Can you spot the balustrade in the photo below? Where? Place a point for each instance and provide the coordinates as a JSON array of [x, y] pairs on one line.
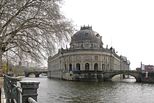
[[27, 93]]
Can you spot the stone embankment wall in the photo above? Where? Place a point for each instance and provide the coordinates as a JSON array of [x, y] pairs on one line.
[[147, 77]]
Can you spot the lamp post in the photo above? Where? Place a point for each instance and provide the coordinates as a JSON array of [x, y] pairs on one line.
[[110, 58]]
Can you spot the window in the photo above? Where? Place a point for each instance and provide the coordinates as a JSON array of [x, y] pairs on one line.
[[96, 57], [77, 66], [95, 67], [70, 67], [108, 66], [65, 67], [103, 66], [81, 45], [86, 34], [87, 66], [92, 45]]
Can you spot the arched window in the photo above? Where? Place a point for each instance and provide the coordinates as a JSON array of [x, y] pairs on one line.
[[103, 67], [95, 67], [92, 45], [81, 45], [87, 66], [77, 66], [108, 66], [65, 67], [70, 67]]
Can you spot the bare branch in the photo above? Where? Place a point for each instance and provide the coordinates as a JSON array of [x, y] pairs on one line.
[[33, 27]]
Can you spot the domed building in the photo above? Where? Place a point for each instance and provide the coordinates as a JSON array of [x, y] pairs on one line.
[[86, 59]]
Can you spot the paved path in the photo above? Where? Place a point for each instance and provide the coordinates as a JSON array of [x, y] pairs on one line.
[[3, 99]]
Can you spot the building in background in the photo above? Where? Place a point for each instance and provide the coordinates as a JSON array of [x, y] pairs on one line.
[[146, 68], [86, 54]]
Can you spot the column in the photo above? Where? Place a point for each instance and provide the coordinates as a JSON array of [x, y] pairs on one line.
[[29, 89]]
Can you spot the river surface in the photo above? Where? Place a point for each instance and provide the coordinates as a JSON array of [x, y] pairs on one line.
[[58, 91]]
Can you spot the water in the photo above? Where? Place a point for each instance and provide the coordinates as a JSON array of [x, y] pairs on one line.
[[58, 91]]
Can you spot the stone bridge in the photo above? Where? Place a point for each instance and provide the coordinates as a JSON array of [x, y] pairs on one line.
[[36, 72], [137, 75], [105, 75]]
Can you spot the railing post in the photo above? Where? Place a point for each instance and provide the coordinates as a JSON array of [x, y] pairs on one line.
[[10, 84], [13, 93], [29, 89]]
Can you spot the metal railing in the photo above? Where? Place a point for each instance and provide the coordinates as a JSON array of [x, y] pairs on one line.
[[27, 93]]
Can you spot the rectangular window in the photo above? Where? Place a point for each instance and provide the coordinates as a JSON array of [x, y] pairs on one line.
[[103, 66]]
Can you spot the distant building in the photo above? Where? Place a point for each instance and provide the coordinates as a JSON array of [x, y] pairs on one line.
[[149, 68], [146, 68], [86, 53]]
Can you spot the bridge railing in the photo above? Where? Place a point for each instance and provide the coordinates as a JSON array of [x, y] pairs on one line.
[[102, 71], [26, 93]]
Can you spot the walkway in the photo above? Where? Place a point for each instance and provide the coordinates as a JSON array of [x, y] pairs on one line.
[[3, 99]]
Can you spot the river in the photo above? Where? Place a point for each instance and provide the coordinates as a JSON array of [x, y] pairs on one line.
[[58, 91]]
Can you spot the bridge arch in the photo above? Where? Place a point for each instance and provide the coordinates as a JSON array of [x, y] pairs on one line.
[[27, 74], [36, 73], [122, 76], [110, 75]]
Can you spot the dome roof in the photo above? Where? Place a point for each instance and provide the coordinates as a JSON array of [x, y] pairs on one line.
[[86, 34], [86, 38]]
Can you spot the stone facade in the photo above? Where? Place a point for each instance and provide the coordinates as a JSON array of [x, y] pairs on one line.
[[86, 53]]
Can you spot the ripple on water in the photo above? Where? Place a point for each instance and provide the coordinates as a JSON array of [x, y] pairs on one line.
[[57, 91]]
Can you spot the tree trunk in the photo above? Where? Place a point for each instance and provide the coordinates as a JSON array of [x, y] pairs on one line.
[[1, 64], [1, 73]]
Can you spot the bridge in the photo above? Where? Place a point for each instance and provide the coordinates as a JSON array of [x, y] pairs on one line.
[[92, 75], [136, 74], [106, 75], [36, 72]]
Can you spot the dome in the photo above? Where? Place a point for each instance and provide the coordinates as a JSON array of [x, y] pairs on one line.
[[86, 36]]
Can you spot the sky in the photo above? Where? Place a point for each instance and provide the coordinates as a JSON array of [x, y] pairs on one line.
[[126, 25]]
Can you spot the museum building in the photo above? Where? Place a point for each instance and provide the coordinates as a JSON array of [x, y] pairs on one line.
[[86, 59]]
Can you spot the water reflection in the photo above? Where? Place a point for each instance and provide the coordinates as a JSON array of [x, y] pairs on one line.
[[57, 91]]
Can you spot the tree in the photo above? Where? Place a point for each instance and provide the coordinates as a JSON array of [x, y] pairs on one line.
[[31, 27]]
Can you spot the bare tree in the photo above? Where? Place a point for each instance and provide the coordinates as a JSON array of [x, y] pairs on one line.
[[32, 27]]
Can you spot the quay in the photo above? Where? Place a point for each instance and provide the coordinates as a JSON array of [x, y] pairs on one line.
[[91, 75]]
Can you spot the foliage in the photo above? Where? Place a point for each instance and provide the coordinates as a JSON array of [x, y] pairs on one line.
[[5, 68], [31, 28]]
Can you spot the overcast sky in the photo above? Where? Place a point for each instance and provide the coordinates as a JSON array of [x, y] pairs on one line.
[[127, 25]]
